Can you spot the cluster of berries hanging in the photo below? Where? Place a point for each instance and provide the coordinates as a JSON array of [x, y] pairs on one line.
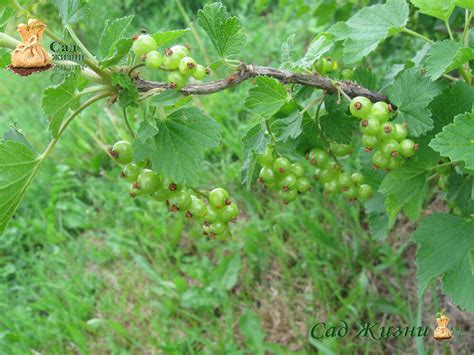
[[387, 141], [214, 216], [176, 61], [333, 177], [279, 174]]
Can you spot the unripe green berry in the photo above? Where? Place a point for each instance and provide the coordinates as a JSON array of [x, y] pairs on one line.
[[360, 107], [379, 160], [318, 157], [229, 213], [218, 198], [408, 148], [288, 196], [153, 60], [122, 152], [130, 172], [143, 45], [187, 66], [302, 185], [401, 131], [288, 182], [266, 159], [267, 175], [344, 180], [176, 80], [370, 126], [380, 111], [365, 192], [357, 178], [281, 165], [148, 181], [199, 72], [369, 142], [297, 169]]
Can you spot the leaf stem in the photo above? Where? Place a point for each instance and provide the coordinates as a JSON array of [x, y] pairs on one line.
[[418, 35], [130, 71], [94, 89], [127, 123], [450, 32], [465, 37]]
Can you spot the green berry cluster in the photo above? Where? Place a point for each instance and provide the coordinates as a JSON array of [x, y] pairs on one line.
[[176, 60], [279, 174], [332, 174], [214, 217], [387, 141]]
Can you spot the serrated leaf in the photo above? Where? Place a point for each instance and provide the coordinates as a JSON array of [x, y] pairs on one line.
[[287, 51], [366, 78], [58, 100], [118, 51], [337, 126], [320, 46], [13, 134], [407, 186], [441, 9], [412, 93], [113, 31], [445, 242], [166, 98], [163, 37], [363, 32], [467, 4], [460, 191], [254, 142], [180, 143], [18, 165], [288, 127], [71, 11], [267, 97], [445, 56], [454, 100], [224, 31], [456, 140]]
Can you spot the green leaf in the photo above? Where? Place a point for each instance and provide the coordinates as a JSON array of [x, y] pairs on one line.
[[461, 191], [456, 141], [287, 52], [337, 126], [406, 187], [180, 143], [454, 100], [467, 4], [128, 94], [113, 31], [163, 37], [71, 11], [320, 46], [224, 31], [5, 58], [412, 93], [118, 51], [379, 221], [445, 242], [441, 9], [166, 98], [366, 78], [267, 97], [227, 272], [445, 56], [14, 134], [363, 32], [58, 100], [18, 165], [254, 142], [288, 127]]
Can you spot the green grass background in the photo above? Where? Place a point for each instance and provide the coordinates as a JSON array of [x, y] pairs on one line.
[[85, 269]]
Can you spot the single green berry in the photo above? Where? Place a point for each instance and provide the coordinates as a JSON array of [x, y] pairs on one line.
[[162, 194], [130, 172], [298, 169], [153, 60], [122, 152], [401, 131], [360, 107], [318, 157], [266, 159], [184, 51], [180, 201], [197, 209], [351, 193], [281, 165], [390, 148], [176, 80], [187, 65], [328, 175], [394, 163], [369, 142], [302, 185], [331, 186], [370, 126], [379, 160], [380, 111], [218, 228], [357, 178], [212, 215], [148, 181], [317, 173], [408, 148], [267, 175], [365, 192], [200, 72], [288, 196], [288, 182], [218, 198], [345, 180], [173, 57], [387, 131], [229, 213], [347, 74], [143, 45], [340, 150]]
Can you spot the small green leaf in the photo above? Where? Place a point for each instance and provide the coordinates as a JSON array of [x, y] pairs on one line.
[[363, 32], [267, 97], [320, 46], [456, 141], [445, 56], [254, 142], [179, 145], [163, 37], [58, 100], [287, 52], [445, 242], [288, 127], [113, 31], [118, 51], [18, 165], [441, 9], [412, 93], [224, 31], [71, 11], [128, 94]]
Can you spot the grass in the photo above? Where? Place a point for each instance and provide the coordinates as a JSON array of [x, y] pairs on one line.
[[85, 269]]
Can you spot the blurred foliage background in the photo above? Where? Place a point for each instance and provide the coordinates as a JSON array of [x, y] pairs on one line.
[[86, 269]]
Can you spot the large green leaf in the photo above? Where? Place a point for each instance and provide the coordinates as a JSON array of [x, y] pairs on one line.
[[445, 242], [441, 9], [412, 93], [57, 101], [456, 141], [363, 32], [225, 31], [177, 149], [467, 4], [445, 56], [112, 32], [267, 97], [71, 11], [18, 165]]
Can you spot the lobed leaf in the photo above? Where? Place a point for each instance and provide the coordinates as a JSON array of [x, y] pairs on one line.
[[445, 56], [71, 11], [288, 127], [266, 97], [112, 33]]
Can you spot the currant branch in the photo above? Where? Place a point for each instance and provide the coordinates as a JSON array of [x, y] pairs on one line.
[[245, 72]]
